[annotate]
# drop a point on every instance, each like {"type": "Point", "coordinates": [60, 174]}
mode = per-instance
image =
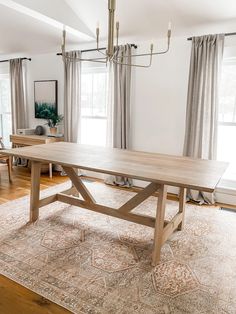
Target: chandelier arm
{"type": "Point", "coordinates": [103, 58]}
{"type": "Point", "coordinates": [85, 60]}
{"type": "Point", "coordinates": [99, 50]}
{"type": "Point", "coordinates": [147, 54]}
{"type": "Point", "coordinates": [154, 53]}
{"type": "Point", "coordinates": [150, 53]}
{"type": "Point", "coordinates": [135, 65]}
{"type": "Point", "coordinates": [98, 60]}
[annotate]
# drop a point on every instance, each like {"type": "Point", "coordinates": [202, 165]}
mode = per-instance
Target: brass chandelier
{"type": "Point", "coordinates": [111, 53]}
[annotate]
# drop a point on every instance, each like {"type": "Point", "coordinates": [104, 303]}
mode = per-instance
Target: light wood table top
{"type": "Point", "coordinates": [170, 170]}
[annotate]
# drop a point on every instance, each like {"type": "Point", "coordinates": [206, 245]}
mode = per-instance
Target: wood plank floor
{"type": "Point", "coordinates": [15, 299]}
{"type": "Point", "coordinates": [21, 183]}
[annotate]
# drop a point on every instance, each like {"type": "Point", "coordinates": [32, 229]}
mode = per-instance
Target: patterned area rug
{"type": "Point", "coordinates": [110, 272]}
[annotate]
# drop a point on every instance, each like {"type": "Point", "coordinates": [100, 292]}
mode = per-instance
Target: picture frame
{"type": "Point", "coordinates": [45, 98]}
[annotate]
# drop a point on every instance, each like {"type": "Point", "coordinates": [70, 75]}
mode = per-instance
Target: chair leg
{"type": "Point", "coordinates": [9, 166]}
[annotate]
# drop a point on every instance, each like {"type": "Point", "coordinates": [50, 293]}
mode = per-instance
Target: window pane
{"type": "Point", "coordinates": [94, 97]}
{"type": "Point", "coordinates": [227, 107]}
{"type": "Point", "coordinates": [5, 126]}
{"type": "Point", "coordinates": [226, 147]}
{"type": "Point", "coordinates": [99, 94]}
{"type": "Point", "coordinates": [87, 94]}
{"type": "Point", "coordinates": [93, 131]}
{"type": "Point", "coordinates": [226, 137]}
{"type": "Point", "coordinates": [5, 110]}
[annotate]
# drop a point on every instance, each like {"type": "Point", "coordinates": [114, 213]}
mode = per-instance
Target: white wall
{"type": "Point", "coordinates": [159, 101]}
{"type": "Point", "coordinates": [43, 67]}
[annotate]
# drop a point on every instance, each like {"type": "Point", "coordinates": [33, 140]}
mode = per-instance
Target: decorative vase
{"type": "Point", "coordinates": [53, 131]}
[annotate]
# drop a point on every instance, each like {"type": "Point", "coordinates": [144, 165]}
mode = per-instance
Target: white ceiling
{"type": "Point", "coordinates": [148, 18]}
{"type": "Point", "coordinates": [22, 32]}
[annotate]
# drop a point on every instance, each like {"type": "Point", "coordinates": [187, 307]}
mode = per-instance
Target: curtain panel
{"type": "Point", "coordinates": [202, 103]}
{"type": "Point", "coordinates": [18, 95]}
{"type": "Point", "coordinates": [72, 87]}
{"type": "Point", "coordinates": [120, 107]}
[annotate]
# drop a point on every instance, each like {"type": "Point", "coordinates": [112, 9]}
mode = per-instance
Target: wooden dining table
{"type": "Point", "coordinates": [159, 170]}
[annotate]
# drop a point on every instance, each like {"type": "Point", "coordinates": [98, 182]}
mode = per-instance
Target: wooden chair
{"type": "Point", "coordinates": [6, 159]}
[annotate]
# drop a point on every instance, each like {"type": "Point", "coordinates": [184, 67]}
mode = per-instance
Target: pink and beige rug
{"type": "Point", "coordinates": [110, 271]}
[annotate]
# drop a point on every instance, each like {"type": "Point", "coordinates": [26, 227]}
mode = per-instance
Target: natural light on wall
{"type": "Point", "coordinates": [94, 95]}
{"type": "Point", "coordinates": [227, 120]}
{"type": "Point", "coordinates": [5, 108]}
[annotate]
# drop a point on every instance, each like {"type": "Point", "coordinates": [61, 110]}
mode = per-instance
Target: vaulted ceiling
{"type": "Point", "coordinates": [35, 26]}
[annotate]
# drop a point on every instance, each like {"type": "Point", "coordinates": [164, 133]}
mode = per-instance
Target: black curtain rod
{"type": "Point", "coordinates": [95, 49]}
{"type": "Point", "coordinates": [227, 34]}
{"type": "Point", "coordinates": [29, 59]}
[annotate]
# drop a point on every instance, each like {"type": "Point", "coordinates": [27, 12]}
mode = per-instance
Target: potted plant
{"type": "Point", "coordinates": [53, 120]}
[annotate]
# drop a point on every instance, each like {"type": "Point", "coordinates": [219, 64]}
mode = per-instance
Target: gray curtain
{"type": "Point", "coordinates": [202, 103]}
{"type": "Point", "coordinates": [72, 82]}
{"type": "Point", "coordinates": [120, 85]}
{"type": "Point", "coordinates": [18, 95]}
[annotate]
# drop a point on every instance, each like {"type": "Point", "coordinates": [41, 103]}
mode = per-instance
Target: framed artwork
{"type": "Point", "coordinates": [45, 98]}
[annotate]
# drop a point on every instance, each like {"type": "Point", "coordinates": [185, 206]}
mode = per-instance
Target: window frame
{"type": "Point", "coordinates": [228, 183]}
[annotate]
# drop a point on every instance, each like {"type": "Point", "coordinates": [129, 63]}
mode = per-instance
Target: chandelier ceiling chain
{"type": "Point", "coordinates": [111, 53]}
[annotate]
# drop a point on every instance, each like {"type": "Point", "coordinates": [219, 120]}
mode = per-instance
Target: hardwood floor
{"type": "Point", "coordinates": [15, 299]}
{"type": "Point", "coordinates": [21, 183]}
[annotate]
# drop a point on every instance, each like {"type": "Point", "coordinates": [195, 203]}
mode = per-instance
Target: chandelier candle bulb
{"type": "Point", "coordinates": [97, 34]}
{"type": "Point", "coordinates": [63, 42]}
{"type": "Point", "coordinates": [117, 33]}
{"type": "Point", "coordinates": [169, 31]}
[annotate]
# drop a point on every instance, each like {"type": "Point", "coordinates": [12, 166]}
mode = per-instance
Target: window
{"type": "Point", "coordinates": [227, 120]}
{"type": "Point", "coordinates": [94, 95]}
{"type": "Point", "coordinates": [5, 109]}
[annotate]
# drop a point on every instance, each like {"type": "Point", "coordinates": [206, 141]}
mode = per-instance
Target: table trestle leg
{"type": "Point", "coordinates": [139, 198]}
{"type": "Point", "coordinates": [159, 225]}
{"type": "Point", "coordinates": [182, 202]}
{"type": "Point", "coordinates": [79, 185]}
{"type": "Point", "coordinates": [35, 190]}
{"type": "Point", "coordinates": [162, 229]}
